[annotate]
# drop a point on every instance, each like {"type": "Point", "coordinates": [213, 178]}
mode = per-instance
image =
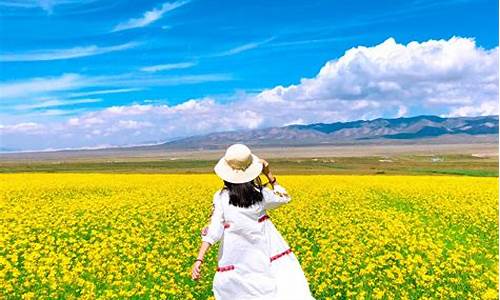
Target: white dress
{"type": "Point", "coordinates": [254, 261]}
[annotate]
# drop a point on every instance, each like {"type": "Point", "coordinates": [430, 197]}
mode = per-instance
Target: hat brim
{"type": "Point", "coordinates": [224, 171]}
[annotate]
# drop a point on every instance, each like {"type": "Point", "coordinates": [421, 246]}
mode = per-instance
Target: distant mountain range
{"type": "Point", "coordinates": [379, 130]}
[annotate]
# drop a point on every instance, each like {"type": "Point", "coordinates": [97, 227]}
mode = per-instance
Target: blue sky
{"type": "Point", "coordinates": [144, 67]}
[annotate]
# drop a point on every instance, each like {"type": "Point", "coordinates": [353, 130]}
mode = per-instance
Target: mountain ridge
{"type": "Point", "coordinates": [375, 130]}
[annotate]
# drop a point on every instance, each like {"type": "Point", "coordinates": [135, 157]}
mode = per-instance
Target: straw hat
{"type": "Point", "coordinates": [238, 165]}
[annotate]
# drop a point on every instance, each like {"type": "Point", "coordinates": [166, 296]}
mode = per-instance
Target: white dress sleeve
{"type": "Point", "coordinates": [215, 229]}
{"type": "Point", "coordinates": [276, 197]}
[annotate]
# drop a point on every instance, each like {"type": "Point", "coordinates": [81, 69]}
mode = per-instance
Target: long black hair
{"type": "Point", "coordinates": [244, 194]}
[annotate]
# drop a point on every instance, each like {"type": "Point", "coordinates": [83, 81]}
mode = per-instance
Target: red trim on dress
{"type": "Point", "coordinates": [226, 268]}
{"type": "Point", "coordinates": [263, 218]}
{"type": "Point", "coordinates": [288, 251]}
{"type": "Point", "coordinates": [273, 258]}
{"type": "Point", "coordinates": [226, 225]}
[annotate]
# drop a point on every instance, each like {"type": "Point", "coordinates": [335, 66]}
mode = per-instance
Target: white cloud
{"type": "Point", "coordinates": [298, 121]}
{"type": "Point", "coordinates": [434, 75]}
{"type": "Point", "coordinates": [243, 48]}
{"type": "Point", "coordinates": [46, 5]}
{"type": "Point", "coordinates": [85, 122]}
{"type": "Point", "coordinates": [33, 86]}
{"type": "Point", "coordinates": [56, 112]}
{"type": "Point", "coordinates": [483, 109]}
{"type": "Point", "coordinates": [55, 102]}
{"type": "Point", "coordinates": [48, 86]}
{"type": "Point", "coordinates": [135, 109]}
{"type": "Point", "coordinates": [103, 92]}
{"type": "Point", "coordinates": [441, 77]}
{"type": "Point", "coordinates": [138, 80]}
{"type": "Point", "coordinates": [131, 124]}
{"type": "Point", "coordinates": [58, 54]}
{"type": "Point", "coordinates": [27, 128]}
{"type": "Point", "coordinates": [402, 111]}
{"type": "Point", "coordinates": [149, 16]}
{"type": "Point", "coordinates": [311, 41]}
{"type": "Point", "coordinates": [166, 67]}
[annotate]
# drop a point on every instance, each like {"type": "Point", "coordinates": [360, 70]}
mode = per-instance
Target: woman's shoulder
{"type": "Point", "coordinates": [218, 194]}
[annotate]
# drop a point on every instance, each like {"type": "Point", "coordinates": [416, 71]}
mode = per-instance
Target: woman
{"type": "Point", "coordinates": [254, 261]}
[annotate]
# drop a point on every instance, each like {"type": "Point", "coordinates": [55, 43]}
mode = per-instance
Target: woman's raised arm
{"type": "Point", "coordinates": [278, 195]}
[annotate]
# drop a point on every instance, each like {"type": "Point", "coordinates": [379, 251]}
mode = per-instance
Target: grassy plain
{"type": "Point", "coordinates": [454, 164]}
{"type": "Point", "coordinates": [474, 159]}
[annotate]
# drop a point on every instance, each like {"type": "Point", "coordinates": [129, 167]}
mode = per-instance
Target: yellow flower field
{"type": "Point", "coordinates": [109, 236]}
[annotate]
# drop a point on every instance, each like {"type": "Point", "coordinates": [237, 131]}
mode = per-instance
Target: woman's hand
{"type": "Point", "coordinates": [196, 272]}
{"type": "Point", "coordinates": [265, 169]}
{"type": "Point", "coordinates": [204, 231]}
